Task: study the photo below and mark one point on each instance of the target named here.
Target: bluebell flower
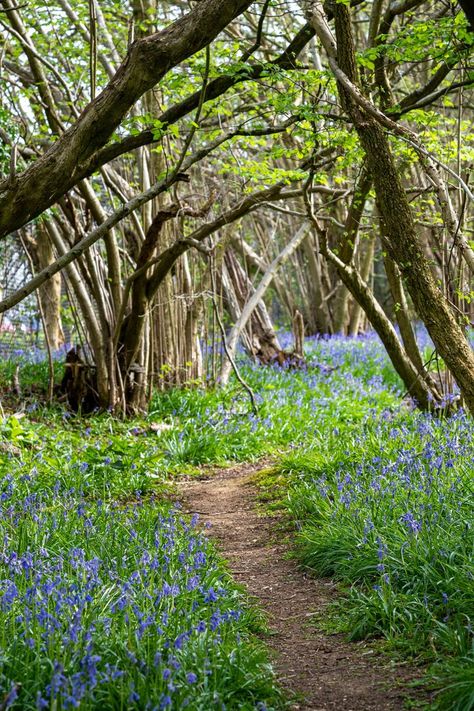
(157, 659)
(210, 595)
(134, 696)
(41, 702)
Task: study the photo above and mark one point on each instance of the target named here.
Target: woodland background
(176, 170)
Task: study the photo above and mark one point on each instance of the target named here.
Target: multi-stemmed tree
(143, 143)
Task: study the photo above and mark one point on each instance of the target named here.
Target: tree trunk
(401, 312)
(417, 387)
(347, 247)
(367, 259)
(399, 227)
(49, 293)
(319, 305)
(258, 335)
(298, 335)
(256, 297)
(404, 248)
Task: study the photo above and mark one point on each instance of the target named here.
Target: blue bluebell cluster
(101, 600)
(30, 353)
(108, 605)
(392, 514)
(343, 379)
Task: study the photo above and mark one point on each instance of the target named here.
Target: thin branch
(248, 203)
(124, 211)
(431, 98)
(148, 60)
(257, 295)
(215, 89)
(258, 38)
(329, 43)
(229, 355)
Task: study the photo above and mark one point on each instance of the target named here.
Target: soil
(319, 671)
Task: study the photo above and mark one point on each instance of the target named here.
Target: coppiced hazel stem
(401, 235)
(258, 294)
(229, 354)
(142, 198)
(103, 229)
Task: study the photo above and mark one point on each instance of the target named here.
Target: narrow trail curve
(324, 672)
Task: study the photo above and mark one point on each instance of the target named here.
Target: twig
(243, 383)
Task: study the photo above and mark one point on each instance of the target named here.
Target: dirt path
(322, 671)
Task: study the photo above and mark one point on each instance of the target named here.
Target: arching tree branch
(147, 62)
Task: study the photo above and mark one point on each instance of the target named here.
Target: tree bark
(26, 195)
(468, 9)
(258, 336)
(399, 227)
(401, 312)
(133, 325)
(405, 249)
(49, 294)
(320, 314)
(251, 304)
(416, 386)
(367, 263)
(347, 247)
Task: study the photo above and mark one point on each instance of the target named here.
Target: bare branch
(99, 232)
(325, 35)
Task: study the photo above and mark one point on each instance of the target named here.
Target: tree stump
(79, 383)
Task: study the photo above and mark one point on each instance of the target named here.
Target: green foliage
(295, 406)
(109, 597)
(439, 39)
(387, 510)
(382, 495)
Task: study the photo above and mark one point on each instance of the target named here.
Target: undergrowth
(109, 596)
(381, 497)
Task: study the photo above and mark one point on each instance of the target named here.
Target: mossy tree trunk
(399, 229)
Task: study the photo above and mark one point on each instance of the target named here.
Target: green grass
(389, 512)
(380, 496)
(109, 597)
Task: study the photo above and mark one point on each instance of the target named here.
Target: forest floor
(318, 670)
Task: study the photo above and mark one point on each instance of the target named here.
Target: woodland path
(320, 671)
